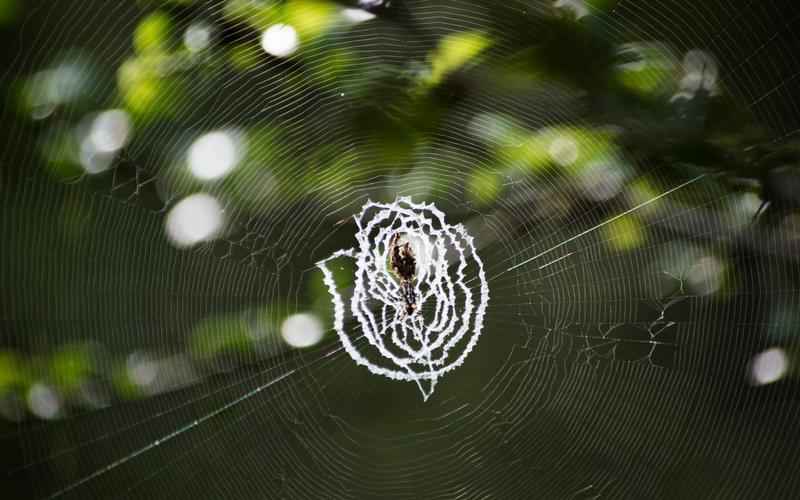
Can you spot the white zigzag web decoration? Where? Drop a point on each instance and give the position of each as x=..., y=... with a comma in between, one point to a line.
x=422, y=321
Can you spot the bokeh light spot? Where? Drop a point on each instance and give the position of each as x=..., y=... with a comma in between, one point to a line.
x=578, y=8
x=564, y=151
x=44, y=401
x=213, y=155
x=357, y=15
x=706, y=275
x=197, y=37
x=110, y=131
x=301, y=330
x=602, y=181
x=152, y=33
x=194, y=219
x=280, y=40
x=142, y=369
x=769, y=366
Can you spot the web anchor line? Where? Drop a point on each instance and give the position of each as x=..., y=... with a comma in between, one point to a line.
x=599, y=226
x=183, y=429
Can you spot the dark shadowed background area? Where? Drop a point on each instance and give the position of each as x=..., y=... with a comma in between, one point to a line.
x=172, y=170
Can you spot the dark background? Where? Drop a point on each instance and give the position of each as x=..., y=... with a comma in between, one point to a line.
x=624, y=370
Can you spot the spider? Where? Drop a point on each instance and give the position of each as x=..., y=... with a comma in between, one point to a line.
x=403, y=264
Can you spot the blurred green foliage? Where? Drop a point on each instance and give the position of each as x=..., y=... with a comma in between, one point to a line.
x=514, y=99
x=9, y=9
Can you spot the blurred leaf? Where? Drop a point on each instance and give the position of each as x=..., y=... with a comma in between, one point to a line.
x=152, y=34
x=646, y=68
x=568, y=148
x=243, y=56
x=123, y=384
x=60, y=150
x=9, y=10
x=310, y=18
x=146, y=91
x=483, y=187
x=625, y=233
x=455, y=51
x=71, y=365
x=329, y=66
x=257, y=15
x=13, y=371
x=221, y=335
x=67, y=82
x=641, y=191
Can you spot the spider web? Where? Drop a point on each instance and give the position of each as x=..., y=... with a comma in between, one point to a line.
x=630, y=290
x=446, y=316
